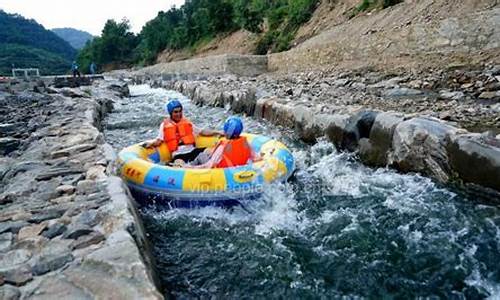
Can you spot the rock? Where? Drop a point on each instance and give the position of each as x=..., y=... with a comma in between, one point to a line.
x=336, y=127
x=24, y=166
x=86, y=187
x=72, y=150
x=358, y=126
x=12, y=226
x=489, y=95
x=73, y=93
x=8, y=145
x=56, y=172
x=14, y=258
x=58, y=287
x=48, y=263
x=48, y=215
x=8, y=129
x=88, y=218
x=65, y=189
x=374, y=152
x=31, y=231
x=9, y=292
x=54, y=230
x=402, y=92
x=87, y=240
x=476, y=159
x=458, y=96
x=96, y=172
x=5, y=241
x=76, y=231
x=340, y=82
x=17, y=276
x=419, y=145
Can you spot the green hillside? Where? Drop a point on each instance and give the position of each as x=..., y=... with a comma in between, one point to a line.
x=76, y=38
x=25, y=43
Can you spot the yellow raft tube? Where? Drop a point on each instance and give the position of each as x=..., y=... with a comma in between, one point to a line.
x=151, y=182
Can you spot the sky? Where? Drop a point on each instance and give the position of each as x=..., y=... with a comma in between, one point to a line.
x=88, y=15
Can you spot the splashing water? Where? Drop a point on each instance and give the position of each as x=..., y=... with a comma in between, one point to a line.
x=339, y=229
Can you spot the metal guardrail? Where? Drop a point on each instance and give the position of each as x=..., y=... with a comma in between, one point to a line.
x=26, y=72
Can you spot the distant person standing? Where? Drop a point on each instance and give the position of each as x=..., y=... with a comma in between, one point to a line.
x=93, y=68
x=74, y=69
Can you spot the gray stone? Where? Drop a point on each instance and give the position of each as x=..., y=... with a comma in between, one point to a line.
x=54, y=230
x=47, y=215
x=358, y=126
x=9, y=292
x=12, y=226
x=5, y=241
x=458, y=96
x=24, y=166
x=73, y=150
x=88, y=218
x=17, y=276
x=65, y=189
x=419, y=145
x=336, y=128
x=58, y=287
x=489, y=95
x=374, y=152
x=87, y=240
x=13, y=258
x=48, y=263
x=8, y=144
x=476, y=159
x=402, y=92
x=76, y=231
x=56, y=172
x=86, y=187
x=8, y=129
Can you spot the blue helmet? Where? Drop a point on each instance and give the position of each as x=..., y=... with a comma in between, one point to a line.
x=233, y=127
x=172, y=104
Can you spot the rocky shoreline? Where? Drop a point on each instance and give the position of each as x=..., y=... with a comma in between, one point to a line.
x=411, y=122
x=67, y=229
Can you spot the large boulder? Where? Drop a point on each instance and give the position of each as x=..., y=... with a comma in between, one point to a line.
x=373, y=151
x=476, y=159
x=358, y=126
x=419, y=145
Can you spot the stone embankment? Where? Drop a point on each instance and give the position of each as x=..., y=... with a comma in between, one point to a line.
x=66, y=228
x=413, y=123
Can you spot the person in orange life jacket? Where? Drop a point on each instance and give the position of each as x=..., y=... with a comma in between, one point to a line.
x=179, y=134
x=234, y=151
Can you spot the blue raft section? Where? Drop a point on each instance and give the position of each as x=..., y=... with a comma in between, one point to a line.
x=152, y=183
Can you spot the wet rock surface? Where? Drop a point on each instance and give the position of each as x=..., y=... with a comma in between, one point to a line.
x=58, y=207
x=405, y=120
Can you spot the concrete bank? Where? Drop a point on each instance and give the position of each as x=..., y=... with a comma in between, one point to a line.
x=67, y=227
x=407, y=142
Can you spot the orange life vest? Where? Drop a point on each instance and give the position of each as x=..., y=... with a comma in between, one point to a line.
x=173, y=133
x=237, y=152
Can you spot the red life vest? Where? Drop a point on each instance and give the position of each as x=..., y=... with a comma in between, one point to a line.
x=173, y=133
x=237, y=152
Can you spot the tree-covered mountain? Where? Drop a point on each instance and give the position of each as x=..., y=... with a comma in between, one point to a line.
x=76, y=38
x=196, y=22
x=26, y=44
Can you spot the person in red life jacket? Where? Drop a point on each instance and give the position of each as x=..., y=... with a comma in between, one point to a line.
x=179, y=134
x=231, y=152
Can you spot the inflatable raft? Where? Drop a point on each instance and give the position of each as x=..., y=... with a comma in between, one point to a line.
x=151, y=182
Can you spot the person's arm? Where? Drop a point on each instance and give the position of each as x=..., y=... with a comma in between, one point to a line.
x=157, y=141
x=210, y=132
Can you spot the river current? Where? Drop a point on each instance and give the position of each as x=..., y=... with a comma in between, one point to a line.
x=337, y=229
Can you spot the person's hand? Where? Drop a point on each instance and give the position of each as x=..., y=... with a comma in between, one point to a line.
x=151, y=144
x=178, y=163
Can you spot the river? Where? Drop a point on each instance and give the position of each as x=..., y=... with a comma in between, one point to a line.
x=337, y=229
